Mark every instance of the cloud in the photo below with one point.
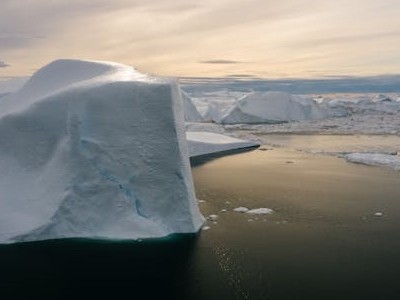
(342, 39)
(14, 41)
(3, 64)
(220, 61)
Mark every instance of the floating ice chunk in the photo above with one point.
(260, 211)
(206, 228)
(213, 217)
(241, 209)
(378, 214)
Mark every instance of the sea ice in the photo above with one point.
(375, 159)
(201, 143)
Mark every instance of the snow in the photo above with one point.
(201, 143)
(96, 150)
(260, 211)
(375, 159)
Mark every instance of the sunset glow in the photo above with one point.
(212, 38)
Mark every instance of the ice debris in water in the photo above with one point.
(212, 217)
(241, 209)
(260, 211)
(255, 211)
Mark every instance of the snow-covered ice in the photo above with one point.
(201, 143)
(94, 149)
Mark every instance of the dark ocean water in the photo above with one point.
(323, 241)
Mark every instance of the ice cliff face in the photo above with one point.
(94, 149)
(190, 111)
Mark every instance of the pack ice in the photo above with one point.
(94, 149)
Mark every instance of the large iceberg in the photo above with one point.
(94, 149)
(273, 107)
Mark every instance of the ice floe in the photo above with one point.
(375, 159)
(201, 143)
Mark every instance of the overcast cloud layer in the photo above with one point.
(262, 38)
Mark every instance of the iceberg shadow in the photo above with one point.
(73, 268)
(196, 161)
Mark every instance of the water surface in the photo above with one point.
(323, 241)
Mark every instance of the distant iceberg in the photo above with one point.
(273, 107)
(96, 150)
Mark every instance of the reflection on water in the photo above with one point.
(74, 268)
(322, 242)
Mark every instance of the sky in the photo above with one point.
(206, 38)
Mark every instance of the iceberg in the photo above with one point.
(273, 107)
(94, 150)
